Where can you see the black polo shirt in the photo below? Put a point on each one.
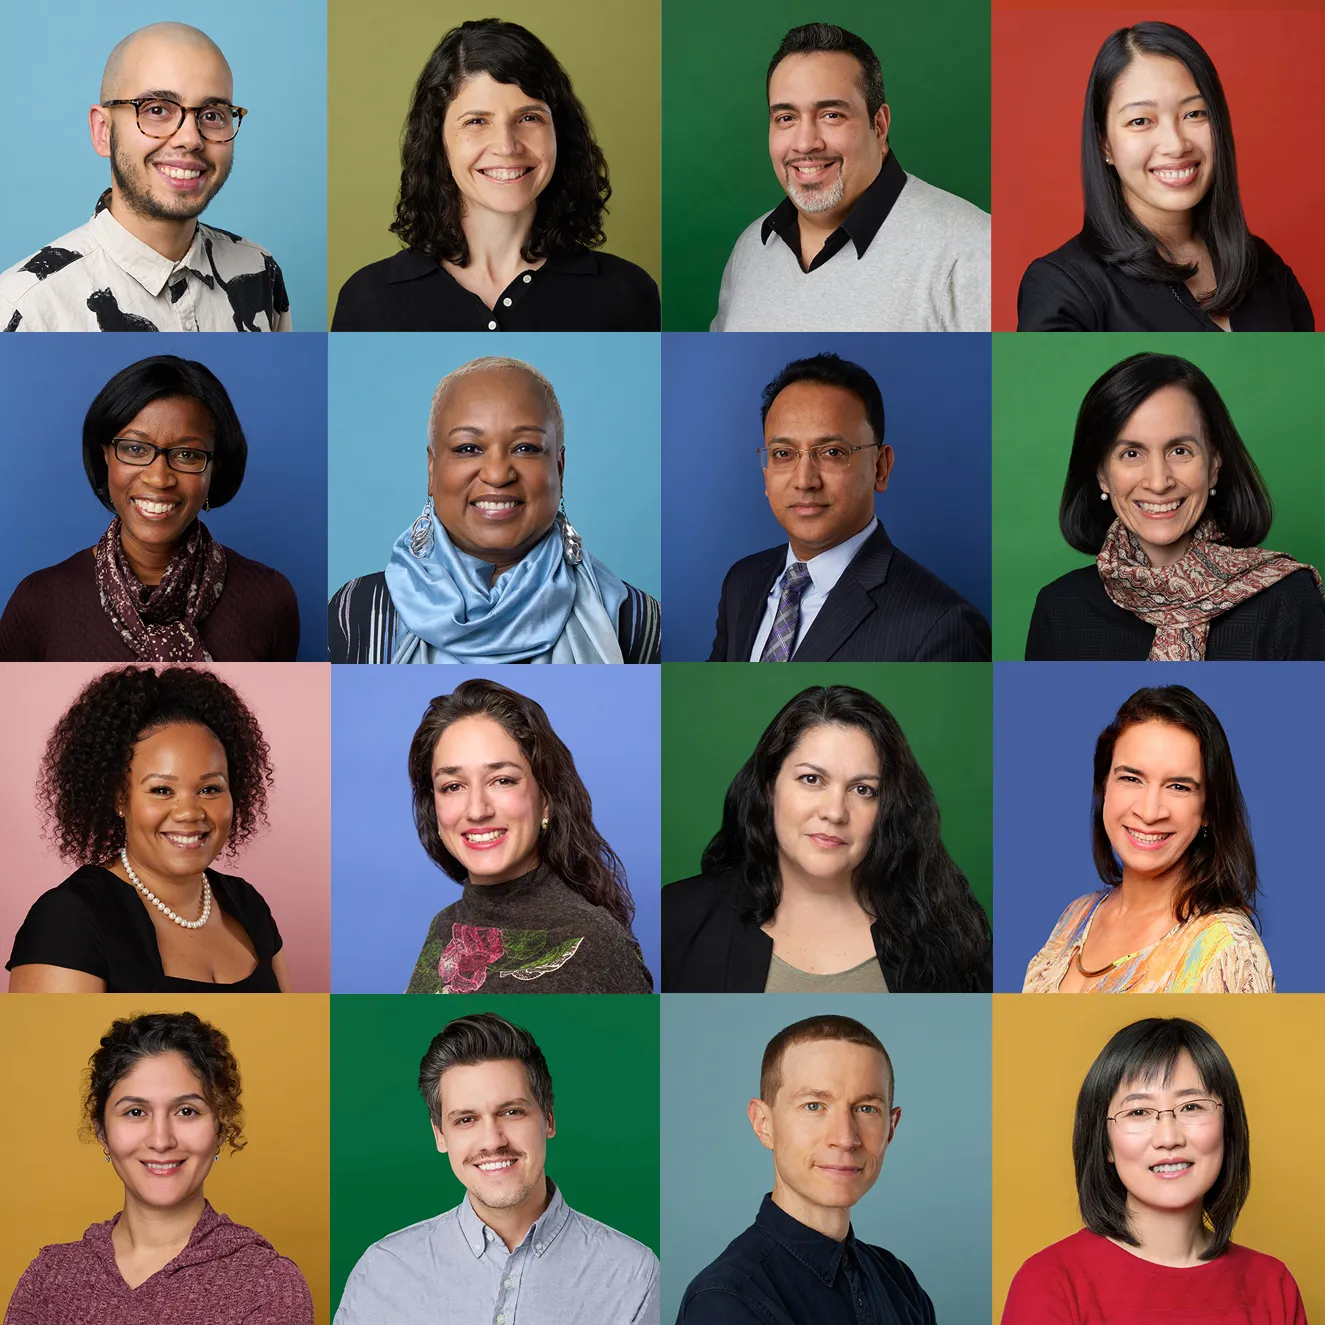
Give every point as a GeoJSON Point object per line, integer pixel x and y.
{"type": "Point", "coordinates": [574, 291]}
{"type": "Point", "coordinates": [781, 1272]}
{"type": "Point", "coordinates": [862, 222]}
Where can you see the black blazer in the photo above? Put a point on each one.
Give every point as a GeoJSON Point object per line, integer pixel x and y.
{"type": "Point", "coordinates": [1075, 619]}
{"type": "Point", "coordinates": [885, 608]}
{"type": "Point", "coordinates": [708, 949]}
{"type": "Point", "coordinates": [1070, 289]}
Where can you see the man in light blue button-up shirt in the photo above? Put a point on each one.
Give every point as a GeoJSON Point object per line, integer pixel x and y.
{"type": "Point", "coordinates": [513, 1252]}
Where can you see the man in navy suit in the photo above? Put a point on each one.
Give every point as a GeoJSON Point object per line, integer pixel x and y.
{"type": "Point", "coordinates": [839, 591]}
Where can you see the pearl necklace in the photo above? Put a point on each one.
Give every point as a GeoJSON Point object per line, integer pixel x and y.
{"type": "Point", "coordinates": [160, 905]}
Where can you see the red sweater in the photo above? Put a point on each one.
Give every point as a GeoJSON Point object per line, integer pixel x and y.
{"type": "Point", "coordinates": [1088, 1280]}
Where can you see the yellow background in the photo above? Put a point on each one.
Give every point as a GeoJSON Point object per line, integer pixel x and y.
{"type": "Point", "coordinates": [1043, 1047]}
{"type": "Point", "coordinates": [55, 1185]}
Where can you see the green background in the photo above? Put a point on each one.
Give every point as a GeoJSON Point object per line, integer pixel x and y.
{"type": "Point", "coordinates": [717, 177]}
{"type": "Point", "coordinates": [386, 1172]}
{"type": "Point", "coordinates": [1274, 388]}
{"type": "Point", "coordinates": [375, 53]}
{"type": "Point", "coordinates": [713, 717]}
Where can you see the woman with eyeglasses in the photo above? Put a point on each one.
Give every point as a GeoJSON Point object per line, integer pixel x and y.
{"type": "Point", "coordinates": [161, 444]}
{"type": "Point", "coordinates": [1162, 1152]}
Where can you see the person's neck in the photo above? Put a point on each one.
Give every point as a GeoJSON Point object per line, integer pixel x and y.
{"type": "Point", "coordinates": [145, 1229]}
{"type": "Point", "coordinates": [1167, 1237]}
{"type": "Point", "coordinates": [803, 892]}
{"type": "Point", "coordinates": [496, 243]}
{"type": "Point", "coordinates": [171, 239]}
{"type": "Point", "coordinates": [147, 563]}
{"type": "Point", "coordinates": [804, 552]}
{"type": "Point", "coordinates": [832, 1221]}
{"type": "Point", "coordinates": [183, 896]}
{"type": "Point", "coordinates": [512, 1225]}
{"type": "Point", "coordinates": [1137, 898]}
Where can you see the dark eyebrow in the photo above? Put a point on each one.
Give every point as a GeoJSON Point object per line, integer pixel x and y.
{"type": "Point", "coordinates": [165, 94]}
{"type": "Point", "coordinates": [1173, 777]}
{"type": "Point", "coordinates": [1181, 437]}
{"type": "Point", "coordinates": [140, 432]}
{"type": "Point", "coordinates": [1196, 96]}
{"type": "Point", "coordinates": [138, 1099]}
{"type": "Point", "coordinates": [170, 777]}
{"type": "Point", "coordinates": [479, 432]}
{"type": "Point", "coordinates": [819, 441]}
{"type": "Point", "coordinates": [823, 772]}
{"type": "Point", "coordinates": [1189, 1091]}
{"type": "Point", "coordinates": [451, 769]}
{"type": "Point", "coordinates": [519, 110]}
{"type": "Point", "coordinates": [506, 1104]}
{"type": "Point", "coordinates": [831, 104]}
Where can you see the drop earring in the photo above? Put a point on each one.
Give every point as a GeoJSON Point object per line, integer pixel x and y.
{"type": "Point", "coordinates": [206, 503]}
{"type": "Point", "coordinates": [1104, 496]}
{"type": "Point", "coordinates": [106, 1152]}
{"type": "Point", "coordinates": [420, 533]}
{"type": "Point", "coordinates": [572, 545]}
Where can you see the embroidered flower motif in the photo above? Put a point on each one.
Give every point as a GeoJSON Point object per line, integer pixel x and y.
{"type": "Point", "coordinates": [465, 960]}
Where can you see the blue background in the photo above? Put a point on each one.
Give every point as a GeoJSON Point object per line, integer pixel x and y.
{"type": "Point", "coordinates": [1047, 717]}
{"type": "Point", "coordinates": [277, 194]}
{"type": "Point", "coordinates": [278, 385]}
{"type": "Point", "coordinates": [936, 400]}
{"type": "Point", "coordinates": [931, 1203]}
{"type": "Point", "coordinates": [381, 392]}
{"type": "Point", "coordinates": [384, 890]}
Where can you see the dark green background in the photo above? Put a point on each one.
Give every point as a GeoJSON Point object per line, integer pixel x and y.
{"type": "Point", "coordinates": [1273, 385]}
{"type": "Point", "coordinates": [714, 715]}
{"type": "Point", "coordinates": [386, 1172]}
{"type": "Point", "coordinates": [717, 177]}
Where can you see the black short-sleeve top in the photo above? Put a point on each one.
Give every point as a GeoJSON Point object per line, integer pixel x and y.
{"type": "Point", "coordinates": [95, 922]}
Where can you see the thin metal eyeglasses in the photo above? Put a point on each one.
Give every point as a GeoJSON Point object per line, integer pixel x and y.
{"type": "Point", "coordinates": [159, 117]}
{"type": "Point", "coordinates": [823, 455]}
{"type": "Point", "coordinates": [1190, 1113]}
{"type": "Point", "coordinates": [182, 459]}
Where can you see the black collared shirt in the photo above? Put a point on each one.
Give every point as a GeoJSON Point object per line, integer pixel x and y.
{"type": "Point", "coordinates": [576, 291]}
{"type": "Point", "coordinates": [781, 1272]}
{"type": "Point", "coordinates": [862, 222]}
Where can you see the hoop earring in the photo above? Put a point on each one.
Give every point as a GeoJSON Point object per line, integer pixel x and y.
{"type": "Point", "coordinates": [572, 545]}
{"type": "Point", "coordinates": [420, 532]}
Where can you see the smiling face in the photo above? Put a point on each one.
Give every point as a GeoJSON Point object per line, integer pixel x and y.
{"type": "Point", "coordinates": [494, 1134]}
{"type": "Point", "coordinates": [489, 808]}
{"type": "Point", "coordinates": [177, 803]}
{"type": "Point", "coordinates": [500, 145]}
{"type": "Point", "coordinates": [825, 802]}
{"type": "Point", "coordinates": [1157, 131]}
{"type": "Point", "coordinates": [160, 1132]}
{"type": "Point", "coordinates": [1154, 800]}
{"type": "Point", "coordinates": [494, 470]}
{"type": "Point", "coordinates": [1159, 473]}
{"type": "Point", "coordinates": [1172, 1166]}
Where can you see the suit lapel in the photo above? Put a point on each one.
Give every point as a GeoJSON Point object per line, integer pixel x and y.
{"type": "Point", "coordinates": [749, 610]}
{"type": "Point", "coordinates": [850, 601]}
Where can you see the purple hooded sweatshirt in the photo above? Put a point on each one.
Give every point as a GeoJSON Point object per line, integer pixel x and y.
{"type": "Point", "coordinates": [227, 1275]}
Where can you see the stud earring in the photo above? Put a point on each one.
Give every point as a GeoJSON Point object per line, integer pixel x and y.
{"type": "Point", "coordinates": [420, 533]}
{"type": "Point", "coordinates": [1108, 160]}
{"type": "Point", "coordinates": [1212, 492]}
{"type": "Point", "coordinates": [1104, 496]}
{"type": "Point", "coordinates": [545, 823]}
{"type": "Point", "coordinates": [572, 545]}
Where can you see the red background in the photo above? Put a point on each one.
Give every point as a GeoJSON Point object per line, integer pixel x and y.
{"type": "Point", "coordinates": [1272, 65]}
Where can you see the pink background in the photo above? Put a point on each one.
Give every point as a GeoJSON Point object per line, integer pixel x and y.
{"type": "Point", "coordinates": [289, 863]}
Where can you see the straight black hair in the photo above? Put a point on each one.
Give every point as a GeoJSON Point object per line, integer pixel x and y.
{"type": "Point", "coordinates": [812, 38]}
{"type": "Point", "coordinates": [161, 377]}
{"type": "Point", "coordinates": [1110, 230]}
{"type": "Point", "coordinates": [1148, 1051]}
{"type": "Point", "coordinates": [932, 931]}
{"type": "Point", "coordinates": [830, 370]}
{"type": "Point", "coordinates": [1241, 505]}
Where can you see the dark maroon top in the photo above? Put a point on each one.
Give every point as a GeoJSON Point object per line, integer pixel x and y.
{"type": "Point", "coordinates": [55, 615]}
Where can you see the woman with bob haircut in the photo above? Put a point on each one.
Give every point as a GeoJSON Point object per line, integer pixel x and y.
{"type": "Point", "coordinates": [146, 779]}
{"type": "Point", "coordinates": [1162, 1153]}
{"type": "Point", "coordinates": [500, 808]}
{"type": "Point", "coordinates": [163, 1101]}
{"type": "Point", "coordinates": [161, 444]}
{"type": "Point", "coordinates": [1164, 245]}
{"type": "Point", "coordinates": [1171, 844]}
{"type": "Point", "coordinates": [1161, 491]}
{"type": "Point", "coordinates": [829, 873]}
{"type": "Point", "coordinates": [502, 193]}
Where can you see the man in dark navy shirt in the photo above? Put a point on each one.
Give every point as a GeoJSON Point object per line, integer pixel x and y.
{"type": "Point", "coordinates": [825, 1110]}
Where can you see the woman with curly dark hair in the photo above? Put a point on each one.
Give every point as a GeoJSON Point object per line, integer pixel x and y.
{"type": "Point", "coordinates": [500, 807]}
{"type": "Point", "coordinates": [146, 779]}
{"type": "Point", "coordinates": [163, 1100]}
{"type": "Point", "coordinates": [829, 873]}
{"type": "Point", "coordinates": [502, 194]}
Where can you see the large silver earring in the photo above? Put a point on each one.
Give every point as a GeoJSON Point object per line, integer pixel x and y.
{"type": "Point", "coordinates": [420, 533]}
{"type": "Point", "coordinates": [572, 545]}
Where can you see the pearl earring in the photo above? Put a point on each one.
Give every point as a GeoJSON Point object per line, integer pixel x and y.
{"type": "Point", "coordinates": [1104, 496]}
{"type": "Point", "coordinates": [1212, 492]}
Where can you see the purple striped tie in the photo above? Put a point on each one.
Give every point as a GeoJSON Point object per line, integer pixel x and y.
{"type": "Point", "coordinates": [782, 638]}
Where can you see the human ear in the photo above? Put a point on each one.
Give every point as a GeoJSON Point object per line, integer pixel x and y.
{"type": "Point", "coordinates": [98, 124]}
{"type": "Point", "coordinates": [883, 466]}
{"type": "Point", "coordinates": [439, 1138]}
{"type": "Point", "coordinates": [761, 1119]}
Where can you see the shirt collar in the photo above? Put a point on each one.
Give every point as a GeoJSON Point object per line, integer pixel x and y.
{"type": "Point", "coordinates": [862, 222]}
{"type": "Point", "coordinates": [542, 1233]}
{"type": "Point", "coordinates": [826, 569]}
{"type": "Point", "coordinates": [141, 261]}
{"type": "Point", "coordinates": [822, 1254]}
{"type": "Point", "coordinates": [410, 264]}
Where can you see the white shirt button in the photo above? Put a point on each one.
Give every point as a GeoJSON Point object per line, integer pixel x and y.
{"type": "Point", "coordinates": [492, 326]}
{"type": "Point", "coordinates": [501, 1319]}
{"type": "Point", "coordinates": [538, 1246]}
{"type": "Point", "coordinates": [507, 302]}
{"type": "Point", "coordinates": [527, 278]}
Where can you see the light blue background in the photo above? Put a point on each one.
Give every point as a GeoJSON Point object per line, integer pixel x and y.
{"type": "Point", "coordinates": [380, 392]}
{"type": "Point", "coordinates": [385, 890]}
{"type": "Point", "coordinates": [277, 194]}
{"type": "Point", "coordinates": [931, 1204]}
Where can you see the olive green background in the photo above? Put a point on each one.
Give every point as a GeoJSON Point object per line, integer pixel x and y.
{"type": "Point", "coordinates": [1273, 385]}
{"type": "Point", "coordinates": [714, 715]}
{"type": "Point", "coordinates": [375, 53]}
{"type": "Point", "coordinates": [386, 1172]}
{"type": "Point", "coordinates": [717, 177]}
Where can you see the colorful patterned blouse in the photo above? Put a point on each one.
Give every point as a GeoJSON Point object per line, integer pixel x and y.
{"type": "Point", "coordinates": [1219, 953]}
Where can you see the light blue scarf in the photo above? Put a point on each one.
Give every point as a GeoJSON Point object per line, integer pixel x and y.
{"type": "Point", "coordinates": [540, 611]}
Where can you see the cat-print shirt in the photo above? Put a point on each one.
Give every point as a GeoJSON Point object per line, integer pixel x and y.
{"type": "Point", "coordinates": [101, 278]}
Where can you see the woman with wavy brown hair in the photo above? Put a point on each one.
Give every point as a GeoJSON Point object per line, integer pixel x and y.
{"type": "Point", "coordinates": [500, 224]}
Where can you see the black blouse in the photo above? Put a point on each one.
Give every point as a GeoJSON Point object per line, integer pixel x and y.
{"type": "Point", "coordinates": [1076, 620]}
{"type": "Point", "coordinates": [95, 922]}
{"type": "Point", "coordinates": [1071, 289]}
{"type": "Point", "coordinates": [577, 291]}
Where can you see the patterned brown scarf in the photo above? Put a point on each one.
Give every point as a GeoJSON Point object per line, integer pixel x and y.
{"type": "Point", "coordinates": [1181, 600]}
{"type": "Point", "coordinates": [163, 625]}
